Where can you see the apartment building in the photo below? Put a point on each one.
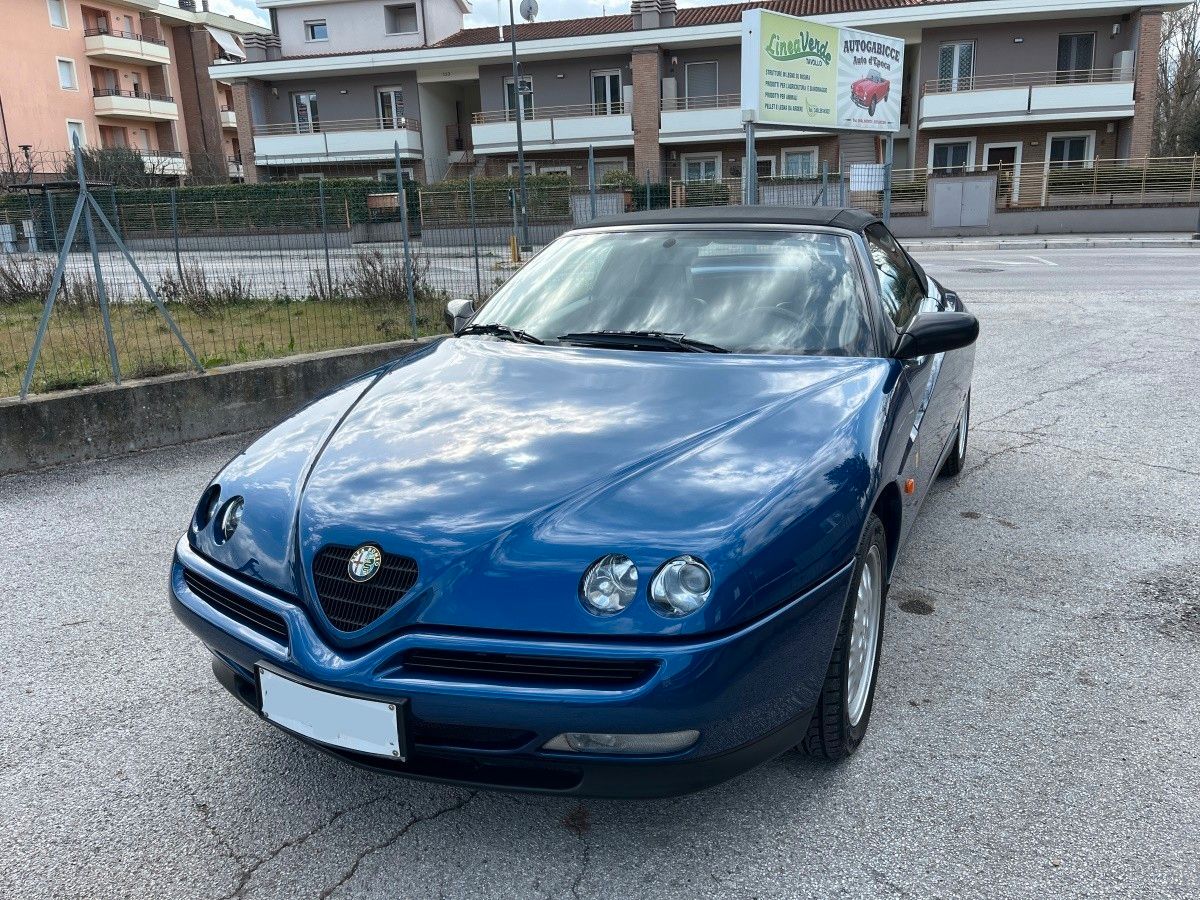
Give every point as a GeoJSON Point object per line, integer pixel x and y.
{"type": "Point", "coordinates": [120, 73]}
{"type": "Point", "coordinates": [1014, 83]}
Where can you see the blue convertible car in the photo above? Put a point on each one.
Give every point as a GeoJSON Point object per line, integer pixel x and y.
{"type": "Point", "coordinates": [628, 532]}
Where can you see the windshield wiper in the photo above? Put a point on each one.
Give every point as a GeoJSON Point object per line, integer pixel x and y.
{"type": "Point", "coordinates": [660, 340]}
{"type": "Point", "coordinates": [502, 331]}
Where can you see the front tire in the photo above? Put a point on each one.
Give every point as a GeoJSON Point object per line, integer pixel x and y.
{"type": "Point", "coordinates": [871, 110]}
{"type": "Point", "coordinates": [957, 459]}
{"type": "Point", "coordinates": [844, 706]}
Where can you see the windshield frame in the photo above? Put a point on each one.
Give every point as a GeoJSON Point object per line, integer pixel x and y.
{"type": "Point", "coordinates": [861, 261]}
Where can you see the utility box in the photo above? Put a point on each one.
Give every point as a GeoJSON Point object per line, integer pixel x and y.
{"type": "Point", "coordinates": [962, 201]}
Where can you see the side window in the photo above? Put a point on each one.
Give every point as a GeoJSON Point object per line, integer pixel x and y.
{"type": "Point", "coordinates": [899, 286]}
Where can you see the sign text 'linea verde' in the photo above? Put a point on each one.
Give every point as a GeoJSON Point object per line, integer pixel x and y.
{"type": "Point", "coordinates": [801, 73]}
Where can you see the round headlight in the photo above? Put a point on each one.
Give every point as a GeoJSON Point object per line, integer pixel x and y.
{"type": "Point", "coordinates": [231, 518]}
{"type": "Point", "coordinates": [681, 586]}
{"type": "Point", "coordinates": [609, 584]}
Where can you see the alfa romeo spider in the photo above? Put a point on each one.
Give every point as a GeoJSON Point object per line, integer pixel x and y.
{"type": "Point", "coordinates": [628, 531]}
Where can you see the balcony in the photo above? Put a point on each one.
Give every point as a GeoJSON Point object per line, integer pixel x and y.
{"type": "Point", "coordinates": [717, 117]}
{"type": "Point", "coordinates": [554, 128]}
{"type": "Point", "coordinates": [1027, 97]}
{"type": "Point", "coordinates": [345, 140]}
{"type": "Point", "coordinates": [236, 169]}
{"type": "Point", "coordinates": [135, 105]}
{"type": "Point", "coordinates": [164, 162]}
{"type": "Point", "coordinates": [228, 117]}
{"type": "Point", "coordinates": [125, 47]}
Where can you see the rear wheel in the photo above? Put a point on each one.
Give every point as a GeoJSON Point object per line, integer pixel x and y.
{"type": "Point", "coordinates": [955, 461]}
{"type": "Point", "coordinates": [844, 707]}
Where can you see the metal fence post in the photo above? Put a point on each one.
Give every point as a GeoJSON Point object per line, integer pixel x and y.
{"type": "Point", "coordinates": [175, 234]}
{"type": "Point", "coordinates": [54, 223]}
{"type": "Point", "coordinates": [325, 236]}
{"type": "Point", "coordinates": [824, 183]}
{"type": "Point", "coordinates": [889, 157]}
{"type": "Point", "coordinates": [112, 196]}
{"type": "Point", "coordinates": [402, 198]}
{"type": "Point", "coordinates": [101, 293]}
{"type": "Point", "coordinates": [841, 179]}
{"type": "Point", "coordinates": [592, 177]}
{"type": "Point", "coordinates": [474, 234]}
{"type": "Point", "coordinates": [647, 189]}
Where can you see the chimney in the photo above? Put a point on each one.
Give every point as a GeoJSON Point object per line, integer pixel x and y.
{"type": "Point", "coordinates": [652, 13]}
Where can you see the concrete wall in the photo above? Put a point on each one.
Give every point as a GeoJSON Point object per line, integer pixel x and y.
{"type": "Point", "coordinates": [92, 423]}
{"type": "Point", "coordinates": [997, 54]}
{"type": "Point", "coordinates": [358, 101]}
{"type": "Point", "coordinates": [360, 25]}
{"type": "Point", "coordinates": [1096, 220]}
{"type": "Point", "coordinates": [574, 87]}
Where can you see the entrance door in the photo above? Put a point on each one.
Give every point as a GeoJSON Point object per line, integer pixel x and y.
{"type": "Point", "coordinates": [606, 92]}
{"type": "Point", "coordinates": [700, 168]}
{"type": "Point", "coordinates": [1076, 56]}
{"type": "Point", "coordinates": [391, 107]}
{"type": "Point", "coordinates": [135, 83]}
{"type": "Point", "coordinates": [1005, 162]}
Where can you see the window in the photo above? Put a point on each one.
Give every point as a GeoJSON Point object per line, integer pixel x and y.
{"type": "Point", "coordinates": [899, 286]}
{"type": "Point", "coordinates": [113, 136]}
{"type": "Point", "coordinates": [391, 106]}
{"type": "Point", "coordinates": [1076, 56]}
{"type": "Point", "coordinates": [525, 100]}
{"type": "Point", "coordinates": [956, 65]}
{"type": "Point", "coordinates": [610, 164]}
{"type": "Point", "coordinates": [529, 169]}
{"type": "Point", "coordinates": [316, 30]}
{"type": "Point", "coordinates": [58, 13]}
{"type": "Point", "coordinates": [746, 291]}
{"type": "Point", "coordinates": [75, 132]}
{"type": "Point", "coordinates": [606, 92]}
{"type": "Point", "coordinates": [388, 176]}
{"type": "Point", "coordinates": [311, 176]}
{"type": "Point", "coordinates": [66, 75]}
{"type": "Point", "coordinates": [400, 19]}
{"type": "Point", "coordinates": [764, 164]}
{"type": "Point", "coordinates": [304, 112]}
{"type": "Point", "coordinates": [951, 157]}
{"type": "Point", "coordinates": [702, 167]}
{"type": "Point", "coordinates": [1071, 151]}
{"type": "Point", "coordinates": [558, 170]}
{"type": "Point", "coordinates": [800, 161]}
{"type": "Point", "coordinates": [699, 84]}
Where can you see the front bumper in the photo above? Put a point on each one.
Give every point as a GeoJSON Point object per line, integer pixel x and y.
{"type": "Point", "coordinates": [750, 692]}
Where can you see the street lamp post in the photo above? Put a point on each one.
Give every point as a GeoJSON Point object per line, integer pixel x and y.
{"type": "Point", "coordinates": [519, 96]}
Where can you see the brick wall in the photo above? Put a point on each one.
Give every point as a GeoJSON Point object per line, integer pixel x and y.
{"type": "Point", "coordinates": [1145, 88]}
{"type": "Point", "coordinates": [245, 129]}
{"type": "Point", "coordinates": [647, 154]}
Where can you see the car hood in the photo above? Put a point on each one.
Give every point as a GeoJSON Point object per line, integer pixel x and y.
{"type": "Point", "coordinates": [504, 470]}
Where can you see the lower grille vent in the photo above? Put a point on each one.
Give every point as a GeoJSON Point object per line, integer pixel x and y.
{"type": "Point", "coordinates": [511, 668]}
{"type": "Point", "coordinates": [237, 607]}
{"type": "Point", "coordinates": [351, 605]}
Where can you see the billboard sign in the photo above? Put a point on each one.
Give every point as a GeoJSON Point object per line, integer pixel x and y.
{"type": "Point", "coordinates": [805, 74]}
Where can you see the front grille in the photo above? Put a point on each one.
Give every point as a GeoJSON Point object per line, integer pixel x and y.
{"type": "Point", "coordinates": [237, 607]}
{"type": "Point", "coordinates": [467, 737]}
{"type": "Point", "coordinates": [511, 668]}
{"type": "Point", "coordinates": [351, 605]}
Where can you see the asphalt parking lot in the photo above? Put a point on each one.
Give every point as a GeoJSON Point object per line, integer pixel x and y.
{"type": "Point", "coordinates": [1035, 731]}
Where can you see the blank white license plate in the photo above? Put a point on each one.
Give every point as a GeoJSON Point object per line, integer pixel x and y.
{"type": "Point", "coordinates": [368, 726]}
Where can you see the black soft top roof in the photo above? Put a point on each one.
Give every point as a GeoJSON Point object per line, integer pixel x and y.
{"type": "Point", "coordinates": [837, 217]}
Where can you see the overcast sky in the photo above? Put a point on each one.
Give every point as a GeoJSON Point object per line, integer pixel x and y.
{"type": "Point", "coordinates": [484, 10]}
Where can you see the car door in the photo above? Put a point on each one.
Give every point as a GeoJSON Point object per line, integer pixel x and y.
{"type": "Point", "coordinates": [903, 294]}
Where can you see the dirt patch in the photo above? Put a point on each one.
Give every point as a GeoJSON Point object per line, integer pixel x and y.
{"type": "Point", "coordinates": [1174, 598]}
{"type": "Point", "coordinates": [578, 820]}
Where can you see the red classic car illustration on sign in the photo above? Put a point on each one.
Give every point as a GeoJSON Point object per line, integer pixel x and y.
{"type": "Point", "coordinates": [870, 91]}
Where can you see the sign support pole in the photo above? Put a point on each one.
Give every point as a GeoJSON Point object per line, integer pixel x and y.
{"type": "Point", "coordinates": [750, 173]}
{"type": "Point", "coordinates": [889, 155]}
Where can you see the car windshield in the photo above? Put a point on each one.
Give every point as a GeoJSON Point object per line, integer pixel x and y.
{"type": "Point", "coordinates": [743, 291]}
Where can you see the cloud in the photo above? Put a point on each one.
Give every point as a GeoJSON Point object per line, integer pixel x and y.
{"type": "Point", "coordinates": [242, 9]}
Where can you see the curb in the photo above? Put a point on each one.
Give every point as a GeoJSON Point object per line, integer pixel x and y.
{"type": "Point", "coordinates": [1054, 244]}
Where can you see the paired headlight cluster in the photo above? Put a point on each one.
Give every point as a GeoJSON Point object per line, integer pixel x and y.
{"type": "Point", "coordinates": [680, 586]}
{"type": "Point", "coordinates": [227, 515]}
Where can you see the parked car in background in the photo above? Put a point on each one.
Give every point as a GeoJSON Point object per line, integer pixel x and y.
{"type": "Point", "coordinates": [628, 532]}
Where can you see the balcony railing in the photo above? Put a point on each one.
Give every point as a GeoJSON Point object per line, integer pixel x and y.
{"type": "Point", "coordinates": [572, 111]}
{"type": "Point", "coordinates": [711, 101]}
{"type": "Point", "coordinates": [1023, 79]}
{"type": "Point", "coordinates": [128, 35]}
{"type": "Point", "coordinates": [336, 125]}
{"type": "Point", "coordinates": [135, 95]}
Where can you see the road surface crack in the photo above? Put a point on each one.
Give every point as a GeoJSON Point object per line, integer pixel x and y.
{"type": "Point", "coordinates": [393, 838]}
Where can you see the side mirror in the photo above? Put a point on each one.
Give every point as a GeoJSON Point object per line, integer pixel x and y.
{"type": "Point", "coordinates": [458, 313]}
{"type": "Point", "coordinates": [939, 332]}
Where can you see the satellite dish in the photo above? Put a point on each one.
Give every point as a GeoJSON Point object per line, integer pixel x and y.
{"type": "Point", "coordinates": [529, 10]}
